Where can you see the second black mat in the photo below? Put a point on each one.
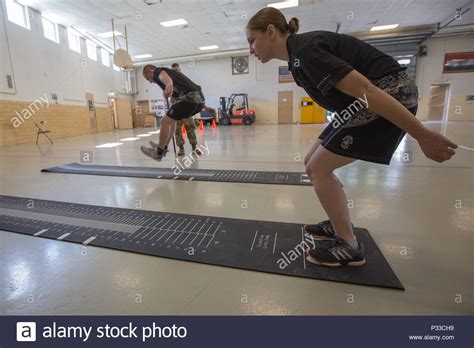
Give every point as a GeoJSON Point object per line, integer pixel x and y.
{"type": "Point", "coordinates": [217, 175]}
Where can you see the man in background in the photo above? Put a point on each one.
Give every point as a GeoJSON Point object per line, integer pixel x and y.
{"type": "Point", "coordinates": [189, 125]}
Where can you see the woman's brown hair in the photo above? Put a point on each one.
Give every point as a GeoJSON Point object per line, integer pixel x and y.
{"type": "Point", "coordinates": [269, 15]}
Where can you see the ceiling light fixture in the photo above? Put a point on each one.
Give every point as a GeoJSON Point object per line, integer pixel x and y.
{"type": "Point", "coordinates": [284, 4]}
{"type": "Point", "coordinates": [207, 48]}
{"type": "Point", "coordinates": [384, 27]}
{"type": "Point", "coordinates": [174, 23]}
{"type": "Point", "coordinates": [109, 34]}
{"type": "Point", "coordinates": [141, 56]}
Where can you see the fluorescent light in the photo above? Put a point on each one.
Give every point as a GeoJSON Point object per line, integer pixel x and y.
{"type": "Point", "coordinates": [144, 135]}
{"type": "Point", "coordinates": [385, 27]}
{"type": "Point", "coordinates": [109, 145]}
{"type": "Point", "coordinates": [129, 139]}
{"type": "Point", "coordinates": [174, 22]}
{"type": "Point", "coordinates": [110, 34]}
{"type": "Point", "coordinates": [140, 56]}
{"type": "Point", "coordinates": [284, 4]}
{"type": "Point", "coordinates": [404, 61]}
{"type": "Point", "coordinates": [205, 48]}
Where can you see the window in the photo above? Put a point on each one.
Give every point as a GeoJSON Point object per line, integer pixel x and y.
{"type": "Point", "coordinates": [91, 50]}
{"type": "Point", "coordinates": [105, 57]}
{"type": "Point", "coordinates": [18, 14]}
{"type": "Point", "coordinates": [50, 30]}
{"type": "Point", "coordinates": [74, 41]}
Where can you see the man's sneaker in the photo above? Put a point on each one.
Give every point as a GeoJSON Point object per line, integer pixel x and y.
{"type": "Point", "coordinates": [181, 151]}
{"type": "Point", "coordinates": [196, 150]}
{"type": "Point", "coordinates": [155, 154]}
{"type": "Point", "coordinates": [335, 253]}
{"type": "Point", "coordinates": [155, 146]}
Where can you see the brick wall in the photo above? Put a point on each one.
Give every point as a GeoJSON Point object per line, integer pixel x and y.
{"type": "Point", "coordinates": [62, 120]}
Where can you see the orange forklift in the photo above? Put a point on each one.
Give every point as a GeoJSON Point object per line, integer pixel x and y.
{"type": "Point", "coordinates": [230, 114]}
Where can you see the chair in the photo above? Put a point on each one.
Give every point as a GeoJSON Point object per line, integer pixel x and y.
{"type": "Point", "coordinates": [41, 131]}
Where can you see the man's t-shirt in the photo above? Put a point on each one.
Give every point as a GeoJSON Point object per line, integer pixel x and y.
{"type": "Point", "coordinates": [181, 83]}
{"type": "Point", "coordinates": [319, 60]}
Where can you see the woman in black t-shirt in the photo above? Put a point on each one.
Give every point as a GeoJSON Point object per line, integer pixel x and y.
{"type": "Point", "coordinates": [374, 101]}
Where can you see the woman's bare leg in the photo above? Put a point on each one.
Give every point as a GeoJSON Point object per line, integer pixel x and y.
{"type": "Point", "coordinates": [310, 153]}
{"type": "Point", "coordinates": [312, 150]}
{"type": "Point", "coordinates": [320, 169]}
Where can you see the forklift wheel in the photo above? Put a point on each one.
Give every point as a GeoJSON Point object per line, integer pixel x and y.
{"type": "Point", "coordinates": [247, 121]}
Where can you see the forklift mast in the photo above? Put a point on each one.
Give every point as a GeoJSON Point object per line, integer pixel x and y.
{"type": "Point", "coordinates": [223, 102]}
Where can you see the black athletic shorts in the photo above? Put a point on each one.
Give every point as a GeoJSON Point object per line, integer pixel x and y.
{"type": "Point", "coordinates": [186, 105]}
{"type": "Point", "coordinates": [359, 133]}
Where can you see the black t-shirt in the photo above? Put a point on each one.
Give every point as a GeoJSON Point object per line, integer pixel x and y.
{"type": "Point", "coordinates": [319, 60]}
{"type": "Point", "coordinates": [181, 83]}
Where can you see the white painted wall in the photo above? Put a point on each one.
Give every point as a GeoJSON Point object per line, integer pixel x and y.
{"type": "Point", "coordinates": [216, 79]}
{"type": "Point", "coordinates": [430, 70]}
{"type": "Point", "coordinates": [41, 66]}
{"type": "Point", "coordinates": [5, 59]}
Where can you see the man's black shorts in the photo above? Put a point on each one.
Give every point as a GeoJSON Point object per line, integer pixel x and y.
{"type": "Point", "coordinates": [184, 109]}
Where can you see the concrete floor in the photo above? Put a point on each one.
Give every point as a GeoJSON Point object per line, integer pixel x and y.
{"type": "Point", "coordinates": [421, 214]}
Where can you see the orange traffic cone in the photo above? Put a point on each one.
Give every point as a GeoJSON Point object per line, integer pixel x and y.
{"type": "Point", "coordinates": [201, 125]}
{"type": "Point", "coordinates": [214, 123]}
{"type": "Point", "coordinates": [183, 129]}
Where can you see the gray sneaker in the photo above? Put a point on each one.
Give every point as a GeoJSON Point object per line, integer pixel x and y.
{"type": "Point", "coordinates": [153, 144]}
{"type": "Point", "coordinates": [152, 153]}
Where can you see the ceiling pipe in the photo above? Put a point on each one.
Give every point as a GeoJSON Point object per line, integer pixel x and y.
{"type": "Point", "coordinates": [459, 13]}
{"type": "Point", "coordinates": [456, 30]}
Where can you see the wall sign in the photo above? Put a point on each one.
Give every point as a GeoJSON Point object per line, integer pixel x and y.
{"type": "Point", "coordinates": [458, 62]}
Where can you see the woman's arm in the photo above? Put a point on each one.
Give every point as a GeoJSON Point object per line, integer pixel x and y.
{"type": "Point", "coordinates": [168, 82]}
{"type": "Point", "coordinates": [434, 145]}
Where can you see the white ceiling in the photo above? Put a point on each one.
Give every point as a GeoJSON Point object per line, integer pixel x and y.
{"type": "Point", "coordinates": [222, 22]}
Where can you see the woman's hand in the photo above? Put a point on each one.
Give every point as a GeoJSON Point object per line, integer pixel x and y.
{"type": "Point", "coordinates": [435, 146]}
